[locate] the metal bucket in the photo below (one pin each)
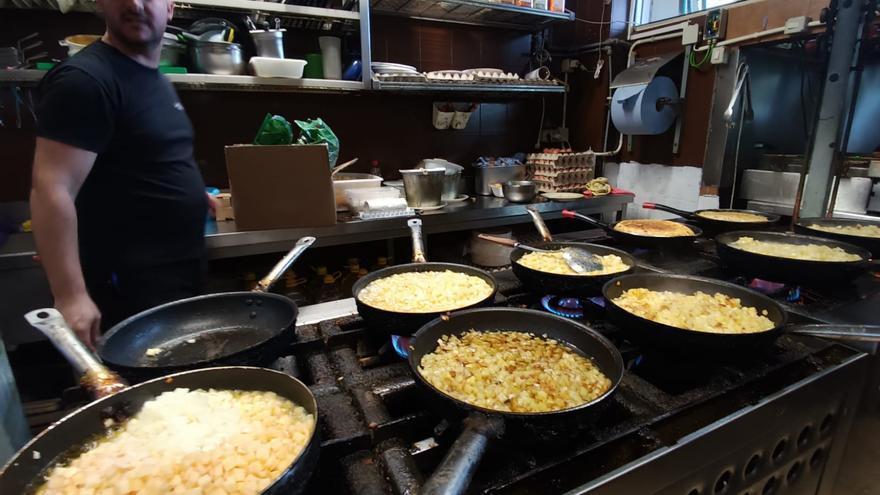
(423, 186)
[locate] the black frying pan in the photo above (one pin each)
(718, 225)
(804, 226)
(232, 328)
(691, 342)
(670, 243)
(23, 473)
(399, 323)
(556, 283)
(481, 425)
(778, 269)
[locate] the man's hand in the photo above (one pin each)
(83, 317)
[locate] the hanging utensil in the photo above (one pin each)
(250, 23)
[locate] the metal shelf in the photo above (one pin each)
(210, 82)
(433, 88)
(476, 12)
(273, 8)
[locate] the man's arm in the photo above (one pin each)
(59, 172)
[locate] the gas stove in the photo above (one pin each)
(775, 423)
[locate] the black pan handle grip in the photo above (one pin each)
(858, 333)
(669, 209)
(455, 472)
(574, 214)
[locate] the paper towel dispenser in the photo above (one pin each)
(644, 103)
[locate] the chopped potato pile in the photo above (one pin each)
(716, 313)
(867, 230)
(808, 252)
(555, 263)
(425, 292)
(512, 371)
(191, 441)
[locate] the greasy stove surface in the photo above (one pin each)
(381, 436)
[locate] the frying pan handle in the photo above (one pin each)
(415, 227)
(278, 270)
(539, 223)
(574, 214)
(669, 209)
(504, 241)
(455, 472)
(860, 333)
(93, 375)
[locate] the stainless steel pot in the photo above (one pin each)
(269, 43)
(172, 53)
(423, 186)
(216, 57)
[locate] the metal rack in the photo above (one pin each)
(499, 88)
(476, 12)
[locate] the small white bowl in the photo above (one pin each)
(277, 67)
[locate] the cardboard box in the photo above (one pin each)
(280, 187)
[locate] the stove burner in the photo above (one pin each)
(567, 307)
(788, 293)
(400, 345)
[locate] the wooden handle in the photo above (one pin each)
(499, 240)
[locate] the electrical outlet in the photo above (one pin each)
(690, 34)
(557, 135)
(719, 55)
(716, 25)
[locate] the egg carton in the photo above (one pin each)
(496, 77)
(550, 187)
(450, 76)
(566, 179)
(551, 171)
(400, 77)
(563, 159)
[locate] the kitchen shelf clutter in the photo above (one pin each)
(478, 12)
(351, 16)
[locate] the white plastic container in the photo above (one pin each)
(277, 67)
(343, 182)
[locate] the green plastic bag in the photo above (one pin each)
(318, 132)
(274, 130)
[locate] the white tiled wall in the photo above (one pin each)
(678, 187)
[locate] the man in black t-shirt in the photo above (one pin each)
(118, 203)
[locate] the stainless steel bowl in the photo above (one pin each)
(216, 57)
(520, 191)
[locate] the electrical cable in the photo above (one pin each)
(696, 65)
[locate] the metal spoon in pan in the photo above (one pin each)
(577, 259)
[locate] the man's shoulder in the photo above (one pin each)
(92, 64)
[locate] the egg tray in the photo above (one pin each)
(544, 186)
(563, 160)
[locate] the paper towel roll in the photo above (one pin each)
(634, 108)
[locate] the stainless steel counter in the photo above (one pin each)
(481, 212)
(225, 241)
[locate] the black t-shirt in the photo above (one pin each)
(143, 203)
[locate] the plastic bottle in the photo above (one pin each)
(329, 290)
(250, 280)
(381, 262)
(294, 289)
(375, 169)
(314, 285)
(349, 279)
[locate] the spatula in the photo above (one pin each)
(579, 260)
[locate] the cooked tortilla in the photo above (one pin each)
(654, 228)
